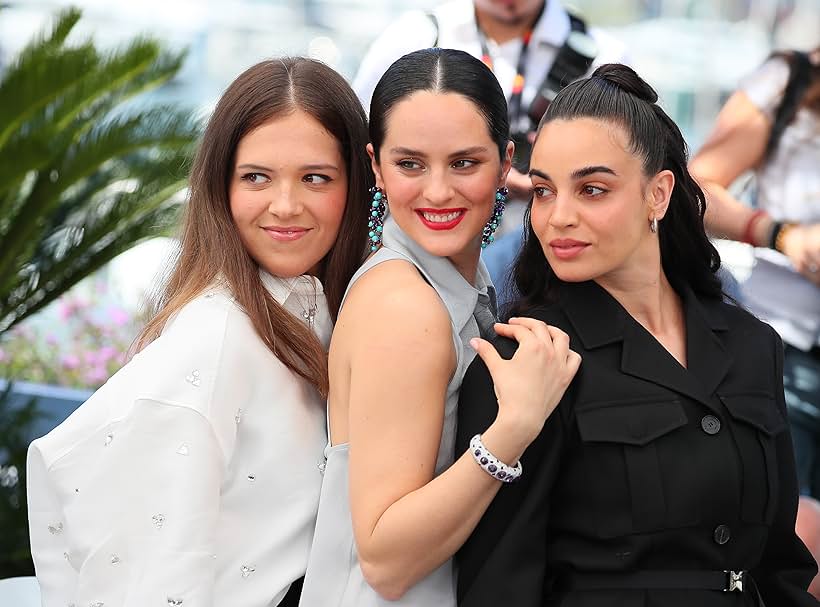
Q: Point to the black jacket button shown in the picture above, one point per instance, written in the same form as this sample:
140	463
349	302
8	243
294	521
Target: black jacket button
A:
710	424
722	534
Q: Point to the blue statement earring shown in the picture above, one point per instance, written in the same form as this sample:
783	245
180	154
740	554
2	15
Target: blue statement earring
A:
378	207
487	236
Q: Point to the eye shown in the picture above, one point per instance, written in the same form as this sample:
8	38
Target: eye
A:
542	192
255	178
464	163
409	165
593	190
316	178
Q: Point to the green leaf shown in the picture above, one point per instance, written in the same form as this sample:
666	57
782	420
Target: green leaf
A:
85	173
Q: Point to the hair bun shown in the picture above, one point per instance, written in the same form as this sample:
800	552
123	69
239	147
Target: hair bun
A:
625	78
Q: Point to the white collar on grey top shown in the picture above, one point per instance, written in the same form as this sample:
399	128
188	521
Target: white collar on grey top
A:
458	295
304	297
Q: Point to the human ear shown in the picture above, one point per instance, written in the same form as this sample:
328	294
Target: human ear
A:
374	165
660	189
506	162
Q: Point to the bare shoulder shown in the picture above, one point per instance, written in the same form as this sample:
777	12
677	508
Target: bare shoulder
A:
392	303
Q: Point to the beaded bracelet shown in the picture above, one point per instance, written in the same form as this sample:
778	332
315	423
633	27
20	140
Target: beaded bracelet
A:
491	464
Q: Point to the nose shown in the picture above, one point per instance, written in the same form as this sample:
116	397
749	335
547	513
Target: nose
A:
438	190
564	212
284	201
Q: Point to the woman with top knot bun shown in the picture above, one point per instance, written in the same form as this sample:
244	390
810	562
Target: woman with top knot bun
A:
665	476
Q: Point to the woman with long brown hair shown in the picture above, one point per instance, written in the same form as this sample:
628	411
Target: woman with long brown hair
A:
191	476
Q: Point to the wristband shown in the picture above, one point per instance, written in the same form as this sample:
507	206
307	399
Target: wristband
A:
491	464
778	233
748	231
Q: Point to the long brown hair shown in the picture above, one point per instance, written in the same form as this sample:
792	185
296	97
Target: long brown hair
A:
210	248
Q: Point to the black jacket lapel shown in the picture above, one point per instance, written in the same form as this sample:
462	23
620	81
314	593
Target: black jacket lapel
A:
600	320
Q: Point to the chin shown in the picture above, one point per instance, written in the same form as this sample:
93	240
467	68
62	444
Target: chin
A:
290	270
445	247
568	273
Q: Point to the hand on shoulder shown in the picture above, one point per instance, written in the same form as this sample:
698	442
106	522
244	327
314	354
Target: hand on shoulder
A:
531	384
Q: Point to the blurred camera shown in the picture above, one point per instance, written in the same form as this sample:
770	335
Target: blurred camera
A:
572	61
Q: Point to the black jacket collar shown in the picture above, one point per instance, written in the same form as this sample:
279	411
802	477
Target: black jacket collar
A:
599	320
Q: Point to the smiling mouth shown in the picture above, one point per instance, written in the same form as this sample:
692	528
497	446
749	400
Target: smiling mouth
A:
441	219
286	234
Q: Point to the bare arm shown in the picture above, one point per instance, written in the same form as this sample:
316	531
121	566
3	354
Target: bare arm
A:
736	145
405	521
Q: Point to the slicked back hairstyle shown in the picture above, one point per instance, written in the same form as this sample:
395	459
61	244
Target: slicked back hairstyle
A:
443	71
615	94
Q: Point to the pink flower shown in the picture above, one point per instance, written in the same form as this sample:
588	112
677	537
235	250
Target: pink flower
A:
3	355
96	375
52	340
66	308
70	362
106	353
119	316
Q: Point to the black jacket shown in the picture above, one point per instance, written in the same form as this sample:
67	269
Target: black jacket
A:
644	466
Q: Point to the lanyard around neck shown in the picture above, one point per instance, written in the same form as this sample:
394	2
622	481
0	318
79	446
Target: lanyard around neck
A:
514	104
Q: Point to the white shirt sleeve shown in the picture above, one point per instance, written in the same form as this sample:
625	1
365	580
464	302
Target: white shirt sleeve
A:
124	496
410	32
143	521
765	86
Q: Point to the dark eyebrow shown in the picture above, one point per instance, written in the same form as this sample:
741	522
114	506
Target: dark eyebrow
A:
254	167
476	149
306	167
406	152
319	167
587	171
578	174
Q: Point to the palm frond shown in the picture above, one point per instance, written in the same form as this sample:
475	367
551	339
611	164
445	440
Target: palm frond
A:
155	128
83	175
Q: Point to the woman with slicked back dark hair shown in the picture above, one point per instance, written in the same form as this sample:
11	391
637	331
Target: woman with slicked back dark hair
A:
190	477
395	505
665	475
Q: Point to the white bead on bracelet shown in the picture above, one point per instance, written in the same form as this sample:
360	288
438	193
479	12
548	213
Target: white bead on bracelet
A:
491	464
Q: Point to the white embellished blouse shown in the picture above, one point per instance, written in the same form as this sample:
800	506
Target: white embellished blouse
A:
190	477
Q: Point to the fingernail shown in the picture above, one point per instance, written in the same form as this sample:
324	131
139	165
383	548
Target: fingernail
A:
474	343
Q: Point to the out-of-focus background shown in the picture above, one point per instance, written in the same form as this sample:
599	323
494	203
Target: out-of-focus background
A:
693	51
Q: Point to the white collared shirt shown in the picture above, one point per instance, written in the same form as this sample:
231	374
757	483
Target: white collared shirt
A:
457	30
190	477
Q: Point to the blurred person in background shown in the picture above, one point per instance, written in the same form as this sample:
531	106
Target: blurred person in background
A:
808	529
771	126
534	47
190	477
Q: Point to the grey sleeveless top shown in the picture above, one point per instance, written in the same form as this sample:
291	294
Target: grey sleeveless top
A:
334	577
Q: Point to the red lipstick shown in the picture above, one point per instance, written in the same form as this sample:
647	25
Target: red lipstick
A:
441	219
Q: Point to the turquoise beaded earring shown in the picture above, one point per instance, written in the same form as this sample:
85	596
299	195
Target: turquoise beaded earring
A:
487	237
378	207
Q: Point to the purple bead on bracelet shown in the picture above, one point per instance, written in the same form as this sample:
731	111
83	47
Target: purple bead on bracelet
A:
491	464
